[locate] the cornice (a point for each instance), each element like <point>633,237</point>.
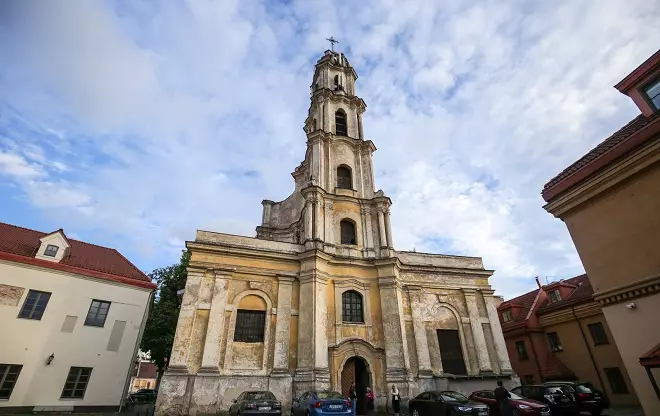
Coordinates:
<point>624,293</point>
<point>613,174</point>
<point>240,251</point>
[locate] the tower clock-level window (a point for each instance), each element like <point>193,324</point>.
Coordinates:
<point>341,128</point>
<point>347,228</point>
<point>344,180</point>
<point>352,311</point>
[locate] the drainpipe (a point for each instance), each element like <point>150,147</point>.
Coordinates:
<point>147,308</point>
<point>593,360</point>
<point>536,358</point>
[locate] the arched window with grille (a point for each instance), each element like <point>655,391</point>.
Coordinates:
<point>352,310</point>
<point>347,229</point>
<point>341,128</point>
<point>344,180</point>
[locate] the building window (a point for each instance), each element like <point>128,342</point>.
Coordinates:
<point>250,326</point>
<point>344,180</point>
<point>351,302</point>
<point>76,383</point>
<point>522,350</point>
<point>341,128</point>
<point>507,316</point>
<point>598,333</point>
<point>528,379</point>
<point>51,250</point>
<point>615,378</point>
<point>555,296</point>
<point>555,344</point>
<point>653,92</point>
<point>451,352</point>
<point>97,313</point>
<point>8,375</point>
<point>347,229</point>
<point>35,305</point>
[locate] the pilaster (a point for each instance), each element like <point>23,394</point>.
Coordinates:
<point>498,335</point>
<point>283,324</point>
<point>187,311</point>
<point>419,327</point>
<point>477,331</point>
<point>396,347</point>
<point>216,324</point>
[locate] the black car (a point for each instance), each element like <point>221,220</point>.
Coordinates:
<point>445,403</point>
<point>142,396</point>
<point>589,399</point>
<point>256,403</point>
<point>559,399</point>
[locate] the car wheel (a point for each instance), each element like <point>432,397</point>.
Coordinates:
<point>415,412</point>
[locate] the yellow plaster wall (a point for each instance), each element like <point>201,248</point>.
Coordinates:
<point>376,313</point>
<point>252,303</point>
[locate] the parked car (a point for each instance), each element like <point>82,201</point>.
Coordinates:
<point>256,403</point>
<point>589,399</point>
<point>520,404</point>
<point>445,403</point>
<point>142,396</point>
<point>323,402</point>
<point>558,398</point>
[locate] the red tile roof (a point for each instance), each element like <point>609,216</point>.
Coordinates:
<point>583,291</point>
<point>525,302</point>
<point>21,244</point>
<point>607,146</point>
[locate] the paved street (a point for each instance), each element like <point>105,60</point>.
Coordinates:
<point>621,412</point>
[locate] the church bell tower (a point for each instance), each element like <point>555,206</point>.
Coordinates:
<point>335,206</point>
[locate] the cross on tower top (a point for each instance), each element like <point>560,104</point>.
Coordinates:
<point>332,42</point>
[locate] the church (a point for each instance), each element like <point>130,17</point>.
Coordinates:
<point>321,298</point>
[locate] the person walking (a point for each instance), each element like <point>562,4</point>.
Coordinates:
<point>396,400</point>
<point>352,394</point>
<point>502,396</point>
<point>371,398</point>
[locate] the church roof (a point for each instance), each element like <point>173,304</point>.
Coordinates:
<point>21,245</point>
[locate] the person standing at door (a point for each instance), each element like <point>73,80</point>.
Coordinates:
<point>502,396</point>
<point>370,401</point>
<point>396,400</point>
<point>352,394</point>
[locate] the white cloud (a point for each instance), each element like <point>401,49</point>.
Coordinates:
<point>145,118</point>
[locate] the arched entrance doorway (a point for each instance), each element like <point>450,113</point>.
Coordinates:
<point>356,370</point>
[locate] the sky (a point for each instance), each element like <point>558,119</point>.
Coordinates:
<point>132,124</point>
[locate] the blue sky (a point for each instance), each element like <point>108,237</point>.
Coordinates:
<point>133,123</point>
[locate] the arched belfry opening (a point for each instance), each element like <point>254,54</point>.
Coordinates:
<point>344,177</point>
<point>341,128</point>
<point>347,231</point>
<point>356,370</point>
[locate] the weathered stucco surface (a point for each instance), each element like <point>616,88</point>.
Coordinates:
<point>297,272</point>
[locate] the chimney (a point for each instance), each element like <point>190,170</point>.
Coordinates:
<point>538,283</point>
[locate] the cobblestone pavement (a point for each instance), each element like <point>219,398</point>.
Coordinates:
<point>621,412</point>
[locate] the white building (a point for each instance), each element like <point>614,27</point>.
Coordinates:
<point>71,318</point>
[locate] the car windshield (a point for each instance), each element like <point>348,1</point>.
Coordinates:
<point>329,395</point>
<point>514,396</point>
<point>259,395</point>
<point>556,390</point>
<point>452,396</point>
<point>585,388</point>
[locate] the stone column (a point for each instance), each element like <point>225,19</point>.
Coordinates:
<point>318,223</point>
<point>381,229</point>
<point>308,220</point>
<point>216,324</point>
<point>369,243</point>
<point>388,230</point>
<point>360,185</point>
<point>360,133</point>
<point>396,347</point>
<point>283,324</point>
<point>187,311</point>
<point>477,331</point>
<point>321,369</point>
<point>329,234</point>
<point>421,343</point>
<point>498,335</point>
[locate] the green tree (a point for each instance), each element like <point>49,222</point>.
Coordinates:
<point>161,325</point>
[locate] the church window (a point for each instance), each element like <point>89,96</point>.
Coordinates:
<point>344,180</point>
<point>449,342</point>
<point>347,228</point>
<point>341,128</point>
<point>352,307</point>
<point>250,326</point>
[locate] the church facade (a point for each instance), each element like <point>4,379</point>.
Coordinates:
<point>320,298</point>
